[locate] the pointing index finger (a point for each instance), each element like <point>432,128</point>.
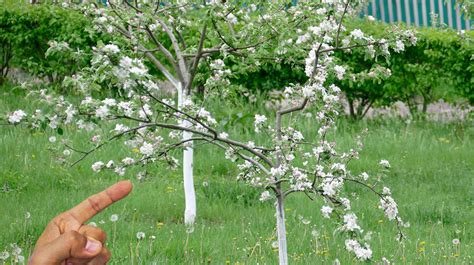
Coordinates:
<point>97,202</point>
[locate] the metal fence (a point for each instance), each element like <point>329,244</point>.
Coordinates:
<point>419,12</point>
<point>414,12</point>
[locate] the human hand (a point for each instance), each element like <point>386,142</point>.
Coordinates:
<point>66,240</point>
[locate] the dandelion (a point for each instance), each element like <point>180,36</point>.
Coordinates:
<point>384,163</point>
<point>275,244</point>
<point>456,241</point>
<point>114,218</point>
<point>140,235</point>
<point>52,139</point>
<point>4,255</point>
<point>67,152</point>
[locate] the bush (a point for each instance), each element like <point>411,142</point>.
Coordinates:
<point>439,66</point>
<point>26,32</point>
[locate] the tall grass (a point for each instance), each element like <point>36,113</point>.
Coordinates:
<point>432,179</point>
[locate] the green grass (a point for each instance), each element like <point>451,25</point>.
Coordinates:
<point>432,180</point>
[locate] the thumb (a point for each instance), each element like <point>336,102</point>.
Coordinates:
<point>71,245</point>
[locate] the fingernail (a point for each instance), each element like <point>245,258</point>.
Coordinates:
<point>93,246</point>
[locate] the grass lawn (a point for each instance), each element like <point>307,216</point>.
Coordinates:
<point>432,179</point>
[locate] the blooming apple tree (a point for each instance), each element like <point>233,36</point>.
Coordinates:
<point>152,124</point>
<point>175,38</point>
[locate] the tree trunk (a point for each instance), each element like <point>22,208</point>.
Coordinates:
<point>281,230</point>
<point>189,193</point>
<point>351,108</point>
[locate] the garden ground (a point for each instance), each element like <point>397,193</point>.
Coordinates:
<point>432,179</point>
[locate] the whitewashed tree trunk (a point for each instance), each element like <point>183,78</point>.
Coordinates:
<point>188,179</point>
<point>281,231</point>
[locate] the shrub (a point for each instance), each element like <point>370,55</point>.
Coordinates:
<point>438,67</point>
<point>27,31</point>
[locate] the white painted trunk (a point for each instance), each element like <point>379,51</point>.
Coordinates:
<point>189,193</point>
<point>281,231</point>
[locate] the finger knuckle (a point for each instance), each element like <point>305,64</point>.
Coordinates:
<point>95,204</point>
<point>73,236</point>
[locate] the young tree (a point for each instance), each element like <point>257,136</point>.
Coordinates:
<point>289,161</point>
<point>175,38</point>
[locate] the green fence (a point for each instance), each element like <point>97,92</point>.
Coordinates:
<point>418,12</point>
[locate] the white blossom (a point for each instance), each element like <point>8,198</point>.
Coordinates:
<point>16,116</point>
<point>120,171</point>
<point>147,149</point>
<point>111,48</point>
<point>362,253</point>
<point>350,222</point>
<point>390,207</point>
<point>259,120</point>
<point>340,70</point>
<point>128,161</point>
<point>265,196</point>
<point>120,128</point>
<point>357,34</point>
<point>97,166</point>
<point>110,164</point>
<point>223,135</point>
<point>326,211</point>
<point>364,176</point>
<point>399,46</point>
<point>102,112</point>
